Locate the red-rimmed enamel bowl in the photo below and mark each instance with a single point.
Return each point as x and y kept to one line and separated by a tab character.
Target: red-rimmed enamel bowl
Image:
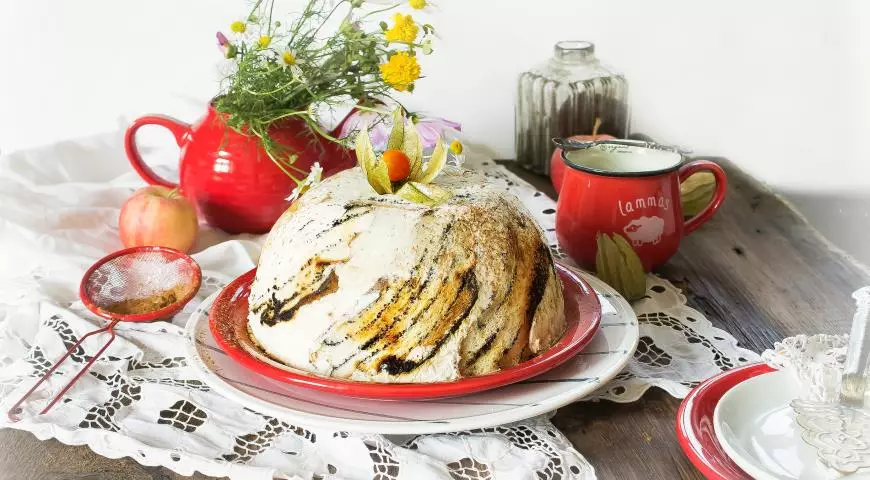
228	324
695	423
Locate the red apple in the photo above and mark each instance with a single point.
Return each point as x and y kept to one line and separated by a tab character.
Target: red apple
557	166
158	216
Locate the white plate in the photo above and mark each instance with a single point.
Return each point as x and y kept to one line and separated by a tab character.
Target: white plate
601	360
755	424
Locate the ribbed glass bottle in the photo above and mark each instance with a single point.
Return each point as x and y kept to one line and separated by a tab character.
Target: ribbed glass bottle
564	97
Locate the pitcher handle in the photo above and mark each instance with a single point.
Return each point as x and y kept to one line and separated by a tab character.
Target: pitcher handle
179	130
696	166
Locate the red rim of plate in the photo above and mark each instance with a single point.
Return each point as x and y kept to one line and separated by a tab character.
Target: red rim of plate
142	317
695	423
579	334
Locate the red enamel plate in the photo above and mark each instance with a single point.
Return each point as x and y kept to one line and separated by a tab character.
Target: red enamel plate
228	323
695	423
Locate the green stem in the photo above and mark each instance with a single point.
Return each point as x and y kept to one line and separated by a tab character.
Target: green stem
286	115
254	8
271	9
386	9
323	22
373	110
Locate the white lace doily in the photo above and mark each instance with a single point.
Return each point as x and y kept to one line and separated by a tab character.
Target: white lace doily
815	361
141	400
838	431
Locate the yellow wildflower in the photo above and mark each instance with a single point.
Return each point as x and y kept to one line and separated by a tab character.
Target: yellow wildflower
264	41
288	58
400	71
418	4
456	147
405	30
238	26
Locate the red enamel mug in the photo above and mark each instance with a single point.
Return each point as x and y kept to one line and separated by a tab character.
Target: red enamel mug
631	188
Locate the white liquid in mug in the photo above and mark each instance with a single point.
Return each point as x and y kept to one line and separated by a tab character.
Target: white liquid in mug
610	158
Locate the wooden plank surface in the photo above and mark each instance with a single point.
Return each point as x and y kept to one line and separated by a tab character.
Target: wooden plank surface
756	270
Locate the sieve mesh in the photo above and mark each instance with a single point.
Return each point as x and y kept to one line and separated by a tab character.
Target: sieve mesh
153	279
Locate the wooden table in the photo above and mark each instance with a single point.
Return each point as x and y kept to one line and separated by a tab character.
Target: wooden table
757	270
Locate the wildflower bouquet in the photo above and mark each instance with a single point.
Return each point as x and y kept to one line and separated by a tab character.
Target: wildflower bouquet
281	71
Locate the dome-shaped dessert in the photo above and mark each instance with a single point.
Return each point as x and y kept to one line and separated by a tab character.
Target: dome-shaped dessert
356	285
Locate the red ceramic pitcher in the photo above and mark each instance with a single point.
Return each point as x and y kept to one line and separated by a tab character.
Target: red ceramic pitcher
235	185
628	188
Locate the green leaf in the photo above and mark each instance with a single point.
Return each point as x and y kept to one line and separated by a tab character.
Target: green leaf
379	177
424	194
412	146
436	163
397	134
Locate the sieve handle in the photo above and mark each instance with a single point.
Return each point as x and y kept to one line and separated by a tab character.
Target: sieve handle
15	410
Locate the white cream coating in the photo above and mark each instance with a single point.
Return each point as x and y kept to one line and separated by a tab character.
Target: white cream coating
383	246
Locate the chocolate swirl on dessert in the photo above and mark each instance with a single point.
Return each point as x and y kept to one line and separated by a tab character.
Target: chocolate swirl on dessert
323	281
441	332
315	280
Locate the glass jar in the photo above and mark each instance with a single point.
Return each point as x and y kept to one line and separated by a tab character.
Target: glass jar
564	97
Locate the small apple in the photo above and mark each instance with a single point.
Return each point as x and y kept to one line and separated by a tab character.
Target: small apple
557	166
158	216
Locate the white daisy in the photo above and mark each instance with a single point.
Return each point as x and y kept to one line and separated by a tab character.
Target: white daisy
311	180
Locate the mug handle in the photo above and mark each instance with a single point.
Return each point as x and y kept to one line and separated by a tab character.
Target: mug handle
691	168
178	129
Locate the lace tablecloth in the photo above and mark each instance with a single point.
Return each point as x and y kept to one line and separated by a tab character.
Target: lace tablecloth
58	214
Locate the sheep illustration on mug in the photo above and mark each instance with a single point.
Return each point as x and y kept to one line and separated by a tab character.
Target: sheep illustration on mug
645	230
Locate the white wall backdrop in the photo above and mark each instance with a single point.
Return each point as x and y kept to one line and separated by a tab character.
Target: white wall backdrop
778	86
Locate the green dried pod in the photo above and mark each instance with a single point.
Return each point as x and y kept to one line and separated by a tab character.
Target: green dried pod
601	259
379	177
365	153
696	192
604	260
424	194
417	187
436	163
618	265
633	274
412	146
397	134
614	265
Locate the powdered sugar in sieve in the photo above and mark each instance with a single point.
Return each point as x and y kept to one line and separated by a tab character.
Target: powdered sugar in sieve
140	276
